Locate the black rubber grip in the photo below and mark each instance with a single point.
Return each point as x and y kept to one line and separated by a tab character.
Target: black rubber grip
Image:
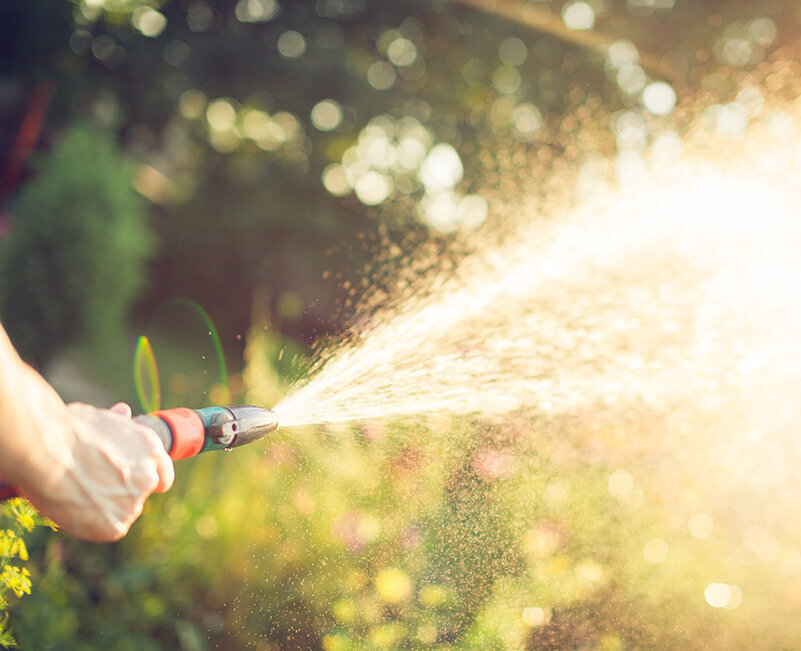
159	426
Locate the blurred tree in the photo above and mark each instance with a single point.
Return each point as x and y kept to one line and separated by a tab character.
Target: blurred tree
74	258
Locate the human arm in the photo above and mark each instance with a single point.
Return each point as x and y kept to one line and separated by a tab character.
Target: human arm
90	470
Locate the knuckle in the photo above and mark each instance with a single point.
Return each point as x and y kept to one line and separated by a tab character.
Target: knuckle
136	511
105	531
148	477
117	533
167	479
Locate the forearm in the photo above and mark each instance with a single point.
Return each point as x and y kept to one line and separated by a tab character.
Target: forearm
88	469
29	407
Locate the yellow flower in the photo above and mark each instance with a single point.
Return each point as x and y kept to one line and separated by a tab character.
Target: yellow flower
393	585
17	580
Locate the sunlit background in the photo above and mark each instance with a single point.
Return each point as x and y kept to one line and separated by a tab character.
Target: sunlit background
520	278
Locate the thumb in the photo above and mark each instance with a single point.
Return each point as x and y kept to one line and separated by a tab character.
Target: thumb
122	408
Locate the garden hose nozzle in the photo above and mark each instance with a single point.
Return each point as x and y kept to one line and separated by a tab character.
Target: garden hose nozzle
186	432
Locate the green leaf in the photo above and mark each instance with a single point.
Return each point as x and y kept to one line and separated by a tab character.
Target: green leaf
6	639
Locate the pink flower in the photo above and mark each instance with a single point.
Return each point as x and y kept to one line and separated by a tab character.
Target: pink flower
494	464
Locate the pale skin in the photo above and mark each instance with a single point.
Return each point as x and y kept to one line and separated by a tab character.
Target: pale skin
89	470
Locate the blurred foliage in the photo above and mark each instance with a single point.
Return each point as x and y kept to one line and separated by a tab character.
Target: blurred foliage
427	533
220	113
75	256
271	137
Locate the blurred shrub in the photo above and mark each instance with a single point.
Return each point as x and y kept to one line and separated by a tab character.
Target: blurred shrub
74	257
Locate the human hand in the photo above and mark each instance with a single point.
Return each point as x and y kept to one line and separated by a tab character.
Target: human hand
116	465
89	470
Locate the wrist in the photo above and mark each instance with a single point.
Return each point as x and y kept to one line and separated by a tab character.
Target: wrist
35	433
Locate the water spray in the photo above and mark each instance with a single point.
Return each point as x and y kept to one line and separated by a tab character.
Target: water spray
187	432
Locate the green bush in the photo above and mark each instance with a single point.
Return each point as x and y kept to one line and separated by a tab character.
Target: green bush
74	257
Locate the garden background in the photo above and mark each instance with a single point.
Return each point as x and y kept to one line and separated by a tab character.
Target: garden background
221	177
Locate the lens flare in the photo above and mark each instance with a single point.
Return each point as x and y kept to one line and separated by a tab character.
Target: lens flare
169	330
215	339
146	376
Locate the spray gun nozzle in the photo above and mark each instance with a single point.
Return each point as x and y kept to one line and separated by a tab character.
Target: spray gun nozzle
241	425
187	432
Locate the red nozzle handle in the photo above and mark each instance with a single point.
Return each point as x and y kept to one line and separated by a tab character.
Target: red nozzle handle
181	431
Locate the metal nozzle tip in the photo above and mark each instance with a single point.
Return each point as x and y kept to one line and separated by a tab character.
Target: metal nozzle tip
251	423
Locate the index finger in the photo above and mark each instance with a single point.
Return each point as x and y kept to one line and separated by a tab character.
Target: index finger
166	472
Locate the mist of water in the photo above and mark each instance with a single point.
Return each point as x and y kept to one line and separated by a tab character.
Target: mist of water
649	330
681	286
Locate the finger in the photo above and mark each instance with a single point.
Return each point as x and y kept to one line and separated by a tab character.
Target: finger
122	408
118	530
145	476
107	532
99	527
166	472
